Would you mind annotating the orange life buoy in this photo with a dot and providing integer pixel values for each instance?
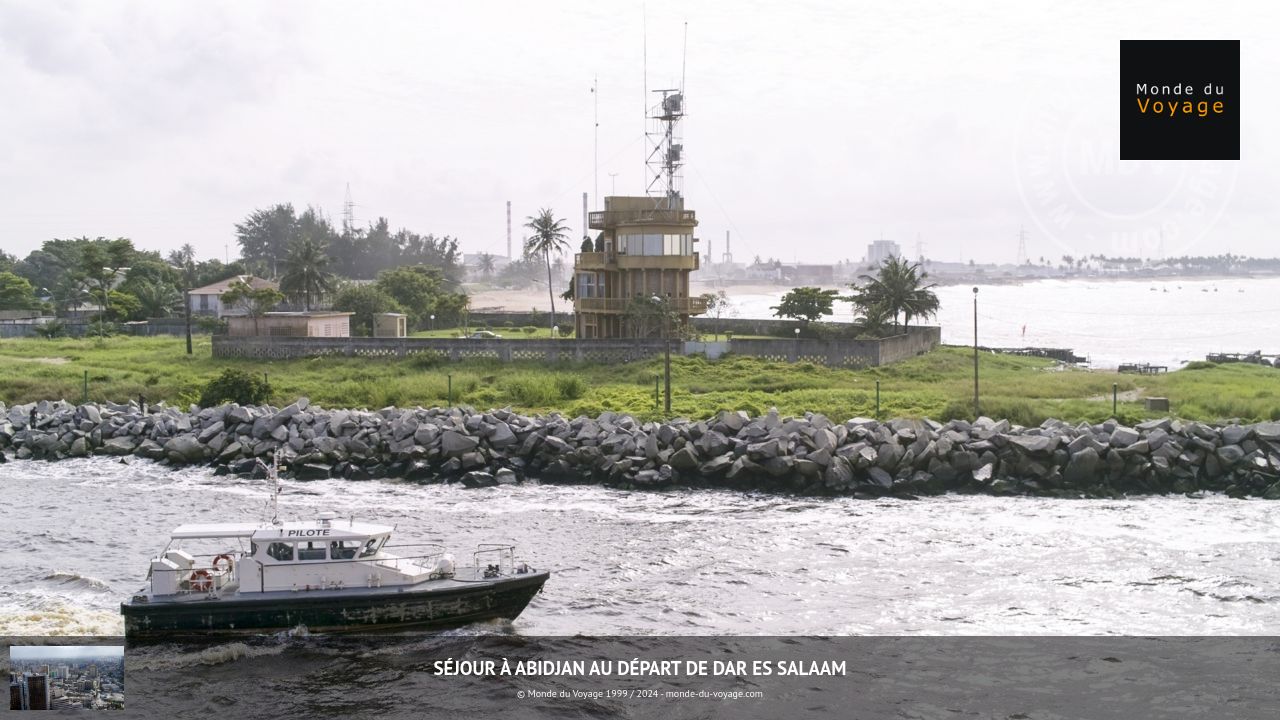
(201, 581)
(220, 558)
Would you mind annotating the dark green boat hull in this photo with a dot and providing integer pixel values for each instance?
(328, 611)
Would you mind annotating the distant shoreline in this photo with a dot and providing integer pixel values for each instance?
(497, 300)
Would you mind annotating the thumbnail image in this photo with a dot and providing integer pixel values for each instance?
(56, 677)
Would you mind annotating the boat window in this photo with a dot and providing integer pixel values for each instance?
(371, 547)
(280, 551)
(343, 549)
(311, 552)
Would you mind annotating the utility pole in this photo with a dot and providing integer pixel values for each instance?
(664, 304)
(187, 307)
(509, 257)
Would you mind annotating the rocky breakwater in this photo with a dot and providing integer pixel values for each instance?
(809, 454)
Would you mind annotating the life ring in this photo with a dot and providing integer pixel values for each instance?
(230, 562)
(201, 581)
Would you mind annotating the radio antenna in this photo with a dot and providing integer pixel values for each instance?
(684, 55)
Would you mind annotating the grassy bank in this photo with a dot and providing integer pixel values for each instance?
(937, 385)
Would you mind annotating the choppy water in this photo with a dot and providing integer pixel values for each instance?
(78, 534)
(1163, 322)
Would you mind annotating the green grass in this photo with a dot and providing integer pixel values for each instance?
(937, 385)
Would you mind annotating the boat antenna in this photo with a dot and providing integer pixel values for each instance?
(273, 473)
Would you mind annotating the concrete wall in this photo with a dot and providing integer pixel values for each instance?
(280, 348)
(836, 353)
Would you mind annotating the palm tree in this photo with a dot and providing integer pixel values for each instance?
(182, 257)
(896, 290)
(486, 264)
(306, 272)
(159, 300)
(549, 235)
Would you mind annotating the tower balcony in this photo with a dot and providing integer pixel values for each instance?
(680, 305)
(615, 261)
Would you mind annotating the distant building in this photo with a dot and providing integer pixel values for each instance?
(880, 250)
(646, 252)
(292, 324)
(207, 300)
(809, 274)
(770, 271)
(472, 263)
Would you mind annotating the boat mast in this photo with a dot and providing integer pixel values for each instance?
(274, 474)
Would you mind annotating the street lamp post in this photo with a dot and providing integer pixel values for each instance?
(796, 347)
(666, 354)
(976, 412)
(433, 323)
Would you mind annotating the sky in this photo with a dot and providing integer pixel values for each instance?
(813, 128)
(54, 652)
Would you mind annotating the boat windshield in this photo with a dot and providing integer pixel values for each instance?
(372, 546)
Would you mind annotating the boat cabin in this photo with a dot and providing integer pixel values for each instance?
(325, 553)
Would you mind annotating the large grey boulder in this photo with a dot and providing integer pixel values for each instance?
(184, 448)
(454, 443)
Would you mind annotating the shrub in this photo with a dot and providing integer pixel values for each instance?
(570, 387)
(235, 386)
(50, 330)
(211, 325)
(1200, 365)
(528, 330)
(101, 328)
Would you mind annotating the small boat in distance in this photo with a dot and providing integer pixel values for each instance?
(326, 574)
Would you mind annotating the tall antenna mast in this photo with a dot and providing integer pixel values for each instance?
(644, 64)
(348, 213)
(595, 96)
(1022, 245)
(684, 55)
(666, 146)
(509, 257)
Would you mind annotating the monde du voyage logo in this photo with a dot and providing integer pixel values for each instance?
(1179, 99)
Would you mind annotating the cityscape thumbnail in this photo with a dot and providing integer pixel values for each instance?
(57, 677)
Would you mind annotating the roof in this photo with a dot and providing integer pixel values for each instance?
(222, 286)
(307, 314)
(214, 530)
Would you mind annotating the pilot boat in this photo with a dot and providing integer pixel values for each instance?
(327, 574)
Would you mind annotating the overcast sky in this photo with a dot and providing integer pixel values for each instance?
(813, 127)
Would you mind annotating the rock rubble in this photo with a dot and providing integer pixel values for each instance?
(810, 454)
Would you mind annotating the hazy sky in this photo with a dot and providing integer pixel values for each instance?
(52, 652)
(813, 127)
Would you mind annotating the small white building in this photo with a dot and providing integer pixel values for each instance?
(207, 300)
(292, 324)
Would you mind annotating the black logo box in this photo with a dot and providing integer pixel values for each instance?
(1186, 65)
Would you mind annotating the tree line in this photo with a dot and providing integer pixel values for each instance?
(898, 290)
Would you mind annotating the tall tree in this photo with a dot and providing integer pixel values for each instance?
(157, 300)
(100, 269)
(264, 236)
(306, 271)
(806, 304)
(718, 306)
(486, 264)
(7, 261)
(366, 301)
(421, 291)
(897, 289)
(549, 236)
(183, 256)
(16, 293)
